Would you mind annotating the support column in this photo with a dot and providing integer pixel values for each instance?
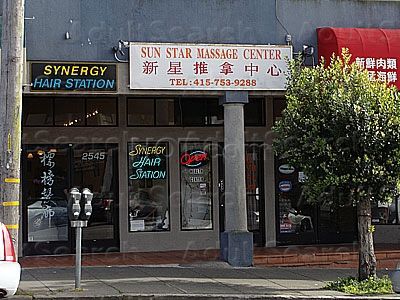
(236, 241)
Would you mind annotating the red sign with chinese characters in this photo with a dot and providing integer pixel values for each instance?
(208, 67)
(376, 50)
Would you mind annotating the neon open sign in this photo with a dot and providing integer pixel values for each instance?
(194, 158)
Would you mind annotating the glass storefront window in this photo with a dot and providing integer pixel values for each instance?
(192, 111)
(188, 111)
(254, 112)
(37, 111)
(279, 105)
(196, 186)
(69, 112)
(148, 187)
(215, 112)
(140, 112)
(386, 213)
(165, 112)
(45, 194)
(101, 112)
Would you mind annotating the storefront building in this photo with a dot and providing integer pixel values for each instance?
(145, 130)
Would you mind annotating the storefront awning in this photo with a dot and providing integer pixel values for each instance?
(377, 50)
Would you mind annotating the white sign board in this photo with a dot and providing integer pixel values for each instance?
(208, 67)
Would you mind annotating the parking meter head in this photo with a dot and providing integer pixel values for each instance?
(74, 207)
(86, 204)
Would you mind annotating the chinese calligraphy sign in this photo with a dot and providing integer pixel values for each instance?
(380, 69)
(208, 67)
(47, 178)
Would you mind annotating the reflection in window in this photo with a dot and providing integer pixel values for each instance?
(279, 105)
(196, 186)
(148, 186)
(254, 112)
(165, 112)
(193, 111)
(215, 112)
(385, 213)
(101, 112)
(37, 111)
(188, 111)
(69, 112)
(140, 112)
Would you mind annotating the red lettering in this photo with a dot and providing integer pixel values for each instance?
(188, 159)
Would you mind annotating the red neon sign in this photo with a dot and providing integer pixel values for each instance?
(194, 158)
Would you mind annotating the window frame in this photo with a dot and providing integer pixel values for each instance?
(85, 98)
(178, 118)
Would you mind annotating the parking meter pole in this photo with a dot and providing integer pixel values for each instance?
(78, 257)
(79, 211)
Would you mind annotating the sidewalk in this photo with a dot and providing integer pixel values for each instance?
(207, 280)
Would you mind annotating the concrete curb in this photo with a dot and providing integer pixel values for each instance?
(200, 297)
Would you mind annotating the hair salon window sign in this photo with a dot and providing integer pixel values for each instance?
(92, 77)
(196, 186)
(148, 192)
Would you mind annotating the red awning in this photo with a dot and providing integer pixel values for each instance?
(377, 50)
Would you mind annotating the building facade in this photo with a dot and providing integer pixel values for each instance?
(153, 156)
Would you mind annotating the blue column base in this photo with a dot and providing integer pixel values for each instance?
(237, 248)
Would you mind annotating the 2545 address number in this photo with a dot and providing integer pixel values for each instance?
(93, 156)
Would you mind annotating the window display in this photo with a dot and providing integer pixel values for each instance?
(148, 186)
(196, 186)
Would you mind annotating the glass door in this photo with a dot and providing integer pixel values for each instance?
(46, 179)
(49, 171)
(95, 166)
(254, 195)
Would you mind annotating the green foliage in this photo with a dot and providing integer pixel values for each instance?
(372, 285)
(342, 130)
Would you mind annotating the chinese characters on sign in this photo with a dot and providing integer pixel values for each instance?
(47, 179)
(380, 69)
(215, 67)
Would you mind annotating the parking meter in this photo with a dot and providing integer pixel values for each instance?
(80, 210)
(74, 207)
(86, 204)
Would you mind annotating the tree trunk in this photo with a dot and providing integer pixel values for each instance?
(366, 253)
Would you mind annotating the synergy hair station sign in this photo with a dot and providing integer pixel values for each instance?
(208, 67)
(50, 76)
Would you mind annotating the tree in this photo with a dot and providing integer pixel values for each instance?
(343, 131)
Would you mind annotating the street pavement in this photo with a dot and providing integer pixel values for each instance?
(209, 280)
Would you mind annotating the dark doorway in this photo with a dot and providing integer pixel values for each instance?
(255, 200)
